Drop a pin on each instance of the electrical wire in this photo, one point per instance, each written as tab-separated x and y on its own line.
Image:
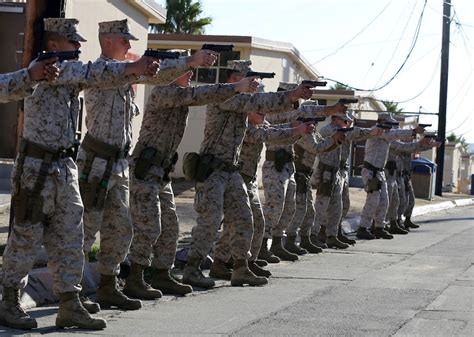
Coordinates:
415	39
355	36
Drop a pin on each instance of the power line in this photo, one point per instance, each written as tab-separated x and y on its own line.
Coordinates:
356	35
398	43
414	41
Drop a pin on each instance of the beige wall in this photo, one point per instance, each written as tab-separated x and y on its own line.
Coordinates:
90	13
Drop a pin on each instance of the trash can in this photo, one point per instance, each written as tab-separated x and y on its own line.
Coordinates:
472	184
423	178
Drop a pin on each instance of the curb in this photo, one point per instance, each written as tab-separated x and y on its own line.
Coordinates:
352	224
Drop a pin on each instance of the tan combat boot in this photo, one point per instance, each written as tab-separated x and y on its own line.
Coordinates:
91	306
341	237
292	247
322	234
265	254
307	244
193	276
333	242
242	275
11	313
410	224
394	229
136	287
108	295
219	270
71	313
163	281
259	271
281	252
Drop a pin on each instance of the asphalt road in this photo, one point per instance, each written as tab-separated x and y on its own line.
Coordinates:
416	285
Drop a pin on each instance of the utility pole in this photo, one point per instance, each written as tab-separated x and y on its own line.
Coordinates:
443	95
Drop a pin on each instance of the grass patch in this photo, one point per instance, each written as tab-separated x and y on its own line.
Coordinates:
93	253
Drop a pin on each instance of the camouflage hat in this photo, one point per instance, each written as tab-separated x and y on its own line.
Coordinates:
386	117
242	66
117	27
63	27
284	86
344	116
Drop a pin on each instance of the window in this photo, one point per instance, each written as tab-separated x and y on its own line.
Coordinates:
217	73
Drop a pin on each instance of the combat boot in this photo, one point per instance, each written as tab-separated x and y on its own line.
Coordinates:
380	233
292	247
136	287
394	229
261	263
341	237
322	234
193	276
363	233
281	252
109	295
259	271
71	313
265	254
402	225
333	242
410	224
163	281
220	270
91	306
309	246
12	314
242	275
315	241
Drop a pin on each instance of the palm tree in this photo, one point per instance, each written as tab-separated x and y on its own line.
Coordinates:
339	86
183	17
392	107
452	138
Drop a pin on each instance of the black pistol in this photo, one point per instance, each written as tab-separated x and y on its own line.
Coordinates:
315	120
345	129
162	55
384	126
218	48
348	100
260	74
313	84
61	55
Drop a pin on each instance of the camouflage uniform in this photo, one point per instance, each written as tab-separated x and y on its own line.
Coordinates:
109	121
224	193
280	187
376	154
393	175
332	170
405	187
307	148
15	86
50	121
250	153
155	221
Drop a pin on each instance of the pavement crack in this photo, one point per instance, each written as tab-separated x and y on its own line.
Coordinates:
312	278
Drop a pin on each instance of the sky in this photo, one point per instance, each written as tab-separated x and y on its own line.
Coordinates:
363	43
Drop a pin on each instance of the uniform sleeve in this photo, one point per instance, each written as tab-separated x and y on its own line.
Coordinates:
358	134
315	144
270	134
99	73
396	134
305	111
401	147
15	86
269	102
169	71
174	96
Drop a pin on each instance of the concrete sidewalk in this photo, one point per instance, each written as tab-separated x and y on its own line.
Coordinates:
184	191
